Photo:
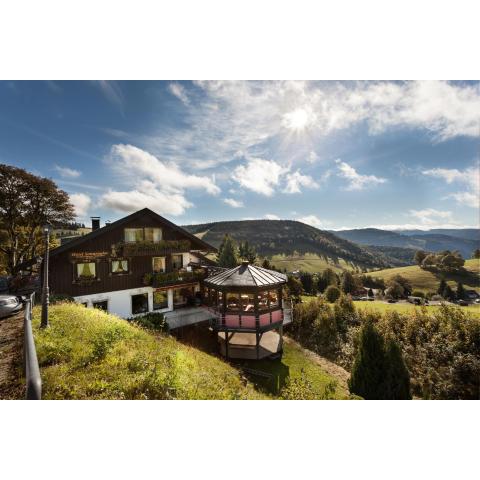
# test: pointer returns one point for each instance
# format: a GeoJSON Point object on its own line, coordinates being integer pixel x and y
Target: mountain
{"type": "Point", "coordinates": [290, 238]}
{"type": "Point", "coordinates": [465, 233]}
{"type": "Point", "coordinates": [426, 240]}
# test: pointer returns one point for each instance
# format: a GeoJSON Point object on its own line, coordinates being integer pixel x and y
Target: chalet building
{"type": "Point", "coordinates": [140, 263]}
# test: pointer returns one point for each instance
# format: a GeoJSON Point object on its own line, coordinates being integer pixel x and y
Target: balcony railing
{"type": "Point", "coordinates": [150, 248]}
{"type": "Point", "coordinates": [157, 280]}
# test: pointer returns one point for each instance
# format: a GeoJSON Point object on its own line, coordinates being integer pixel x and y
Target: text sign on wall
{"type": "Point", "coordinates": [87, 255]}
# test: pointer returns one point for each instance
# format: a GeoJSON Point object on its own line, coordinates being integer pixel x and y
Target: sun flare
{"type": "Point", "coordinates": [299, 119]}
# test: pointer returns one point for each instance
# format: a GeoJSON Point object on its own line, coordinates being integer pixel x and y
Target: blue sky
{"type": "Point", "coordinates": [331, 154]}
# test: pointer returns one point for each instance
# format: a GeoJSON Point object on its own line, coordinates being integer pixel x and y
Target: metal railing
{"type": "Point", "coordinates": [30, 362]}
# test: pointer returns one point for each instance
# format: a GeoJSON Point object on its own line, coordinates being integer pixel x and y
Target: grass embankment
{"type": "Point", "coordinates": [428, 281]}
{"type": "Point", "coordinates": [89, 354]}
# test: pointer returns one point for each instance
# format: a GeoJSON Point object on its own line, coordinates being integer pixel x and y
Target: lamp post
{"type": "Point", "coordinates": [45, 288]}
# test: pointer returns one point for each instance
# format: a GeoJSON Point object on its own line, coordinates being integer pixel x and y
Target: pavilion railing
{"type": "Point", "coordinates": [30, 361]}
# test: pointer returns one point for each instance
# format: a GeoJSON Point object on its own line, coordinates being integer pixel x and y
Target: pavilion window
{"type": "Point", "coordinates": [220, 300]}
{"type": "Point", "coordinates": [273, 298]}
{"type": "Point", "coordinates": [263, 300]}
{"type": "Point", "coordinates": [233, 301]}
{"type": "Point", "coordinates": [86, 270]}
{"type": "Point", "coordinates": [158, 264]}
{"type": "Point", "coordinates": [119, 267]}
{"type": "Point", "coordinates": [248, 302]}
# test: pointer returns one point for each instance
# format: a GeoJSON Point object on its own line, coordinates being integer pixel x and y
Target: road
{"type": "Point", "coordinates": [11, 344]}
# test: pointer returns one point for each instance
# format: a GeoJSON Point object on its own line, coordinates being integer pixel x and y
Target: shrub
{"type": "Point", "coordinates": [332, 293]}
{"type": "Point", "coordinates": [60, 298]}
{"type": "Point", "coordinates": [151, 321]}
{"type": "Point", "coordinates": [418, 293]}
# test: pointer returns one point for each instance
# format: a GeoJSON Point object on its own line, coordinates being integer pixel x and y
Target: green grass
{"type": "Point", "coordinates": [309, 262]}
{"type": "Point", "coordinates": [425, 280]}
{"type": "Point", "coordinates": [90, 354]}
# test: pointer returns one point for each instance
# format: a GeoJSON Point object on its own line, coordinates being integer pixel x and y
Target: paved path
{"type": "Point", "coordinates": [11, 339]}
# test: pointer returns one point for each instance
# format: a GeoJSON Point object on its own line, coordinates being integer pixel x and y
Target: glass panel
{"type": "Point", "coordinates": [177, 262]}
{"type": "Point", "coordinates": [158, 264]}
{"type": "Point", "coordinates": [273, 297]}
{"type": "Point", "coordinates": [140, 303]}
{"type": "Point", "coordinates": [220, 300]}
{"type": "Point", "coordinates": [182, 296]}
{"type": "Point", "coordinates": [134, 234]}
{"type": "Point", "coordinates": [263, 300]}
{"type": "Point", "coordinates": [119, 266]}
{"type": "Point", "coordinates": [248, 302]}
{"type": "Point", "coordinates": [160, 300]}
{"type": "Point", "coordinates": [233, 301]}
{"type": "Point", "coordinates": [86, 270]}
{"type": "Point", "coordinates": [153, 234]}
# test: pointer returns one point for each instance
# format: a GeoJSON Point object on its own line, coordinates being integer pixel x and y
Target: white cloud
{"type": "Point", "coordinates": [470, 178]}
{"type": "Point", "coordinates": [151, 182]}
{"type": "Point", "coordinates": [271, 216]}
{"type": "Point", "coordinates": [178, 91]}
{"type": "Point", "coordinates": [260, 176]}
{"type": "Point", "coordinates": [430, 216]}
{"type": "Point", "coordinates": [312, 157]}
{"type": "Point", "coordinates": [233, 203]}
{"type": "Point", "coordinates": [240, 116]}
{"type": "Point", "coordinates": [66, 172]}
{"type": "Point", "coordinates": [81, 203]}
{"type": "Point", "coordinates": [357, 181]}
{"type": "Point", "coordinates": [312, 220]}
{"type": "Point", "coordinates": [296, 180]}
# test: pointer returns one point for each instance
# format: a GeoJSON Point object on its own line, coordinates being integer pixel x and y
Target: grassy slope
{"type": "Point", "coordinates": [309, 262]}
{"type": "Point", "coordinates": [89, 354]}
{"type": "Point", "coordinates": [428, 281]}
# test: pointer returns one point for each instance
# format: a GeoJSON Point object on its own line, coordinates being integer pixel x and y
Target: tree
{"type": "Point", "coordinates": [397, 381]}
{"type": "Point", "coordinates": [266, 264]}
{"type": "Point", "coordinates": [307, 282]}
{"type": "Point", "coordinates": [348, 282]}
{"type": "Point", "coordinates": [441, 287]}
{"type": "Point", "coordinates": [295, 288]}
{"type": "Point", "coordinates": [246, 252]}
{"type": "Point", "coordinates": [332, 293]}
{"type": "Point", "coordinates": [227, 253]}
{"type": "Point", "coordinates": [27, 202]}
{"type": "Point", "coordinates": [448, 294]}
{"type": "Point", "coordinates": [369, 367]}
{"type": "Point", "coordinates": [419, 256]}
{"type": "Point", "coordinates": [405, 283]}
{"type": "Point", "coordinates": [476, 253]}
{"type": "Point", "coordinates": [370, 293]}
{"type": "Point", "coordinates": [429, 261]}
{"type": "Point", "coordinates": [452, 261]}
{"type": "Point", "coordinates": [394, 290]}
{"type": "Point", "coordinates": [460, 291]}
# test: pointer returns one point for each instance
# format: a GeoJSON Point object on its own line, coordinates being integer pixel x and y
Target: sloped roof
{"type": "Point", "coordinates": [112, 226]}
{"type": "Point", "coordinates": [246, 275]}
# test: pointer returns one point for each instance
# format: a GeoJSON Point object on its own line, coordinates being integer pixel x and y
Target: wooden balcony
{"type": "Point", "coordinates": [180, 277]}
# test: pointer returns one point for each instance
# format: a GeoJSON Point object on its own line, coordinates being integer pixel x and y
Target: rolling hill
{"type": "Point", "coordinates": [292, 245]}
{"type": "Point", "coordinates": [463, 240]}
{"type": "Point", "coordinates": [428, 281]}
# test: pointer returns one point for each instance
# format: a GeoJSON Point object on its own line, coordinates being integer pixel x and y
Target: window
{"type": "Point", "coordinates": [273, 298]}
{"type": "Point", "coordinates": [153, 234]}
{"type": "Point", "coordinates": [220, 300]}
{"type": "Point", "coordinates": [182, 296]}
{"type": "Point", "coordinates": [139, 303]}
{"type": "Point", "coordinates": [160, 300]}
{"type": "Point", "coordinates": [133, 235]}
{"type": "Point", "coordinates": [86, 270]}
{"type": "Point", "coordinates": [233, 301]}
{"type": "Point", "coordinates": [103, 305]}
{"type": "Point", "coordinates": [248, 302]}
{"type": "Point", "coordinates": [158, 264]}
{"type": "Point", "coordinates": [177, 262]}
{"type": "Point", "coordinates": [119, 266]}
{"type": "Point", "coordinates": [263, 300]}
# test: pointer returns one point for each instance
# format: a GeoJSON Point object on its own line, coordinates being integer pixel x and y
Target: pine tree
{"type": "Point", "coordinates": [441, 287]}
{"type": "Point", "coordinates": [227, 254]}
{"type": "Point", "coordinates": [460, 291]}
{"type": "Point", "coordinates": [448, 293]}
{"type": "Point", "coordinates": [348, 282]}
{"type": "Point", "coordinates": [369, 368]}
{"type": "Point", "coordinates": [397, 381]}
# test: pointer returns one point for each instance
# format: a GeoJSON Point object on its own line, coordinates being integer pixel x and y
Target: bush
{"type": "Point", "coordinates": [332, 293]}
{"type": "Point", "coordinates": [59, 298]}
{"type": "Point", "coordinates": [418, 293]}
{"type": "Point", "coordinates": [151, 321]}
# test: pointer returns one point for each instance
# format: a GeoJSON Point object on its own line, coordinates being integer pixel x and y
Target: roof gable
{"type": "Point", "coordinates": [196, 242]}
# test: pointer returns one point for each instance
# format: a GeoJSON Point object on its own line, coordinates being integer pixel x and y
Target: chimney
{"type": "Point", "coordinates": [95, 223]}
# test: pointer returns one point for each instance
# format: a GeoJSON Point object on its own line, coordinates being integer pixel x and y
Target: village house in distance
{"type": "Point", "coordinates": [145, 263]}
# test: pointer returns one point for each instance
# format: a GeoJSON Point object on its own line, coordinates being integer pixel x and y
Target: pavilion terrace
{"type": "Point", "coordinates": [248, 306]}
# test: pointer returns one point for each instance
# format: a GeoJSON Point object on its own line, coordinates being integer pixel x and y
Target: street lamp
{"type": "Point", "coordinates": [45, 289]}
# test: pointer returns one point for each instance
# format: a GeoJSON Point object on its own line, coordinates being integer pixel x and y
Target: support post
{"type": "Point", "coordinates": [258, 344]}
{"type": "Point", "coordinates": [45, 287]}
{"type": "Point", "coordinates": [226, 344]}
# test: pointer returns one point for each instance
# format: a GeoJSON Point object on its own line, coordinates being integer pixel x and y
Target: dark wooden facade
{"type": "Point", "coordinates": [105, 244]}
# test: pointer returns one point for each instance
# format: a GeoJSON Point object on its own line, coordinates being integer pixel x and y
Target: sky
{"type": "Point", "coordinates": [334, 155]}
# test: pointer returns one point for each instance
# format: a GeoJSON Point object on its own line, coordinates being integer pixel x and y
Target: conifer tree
{"type": "Point", "coordinates": [460, 291]}
{"type": "Point", "coordinates": [348, 282]}
{"type": "Point", "coordinates": [397, 381]}
{"type": "Point", "coordinates": [441, 287]}
{"type": "Point", "coordinates": [369, 368]}
{"type": "Point", "coordinates": [227, 253]}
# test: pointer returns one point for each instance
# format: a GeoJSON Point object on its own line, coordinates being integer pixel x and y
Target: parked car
{"type": "Point", "coordinates": [477, 300]}
{"type": "Point", "coordinates": [462, 303]}
{"type": "Point", "coordinates": [9, 304]}
{"type": "Point", "coordinates": [392, 300]}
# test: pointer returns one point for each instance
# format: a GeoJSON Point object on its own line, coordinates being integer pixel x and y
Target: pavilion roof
{"type": "Point", "coordinates": [246, 275]}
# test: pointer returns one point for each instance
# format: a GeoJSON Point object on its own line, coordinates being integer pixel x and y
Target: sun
{"type": "Point", "coordinates": [299, 119]}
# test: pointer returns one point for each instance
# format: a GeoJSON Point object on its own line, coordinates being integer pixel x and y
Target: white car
{"type": "Point", "coordinates": [9, 304]}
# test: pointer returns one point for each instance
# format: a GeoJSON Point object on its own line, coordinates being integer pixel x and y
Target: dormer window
{"type": "Point", "coordinates": [147, 234]}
